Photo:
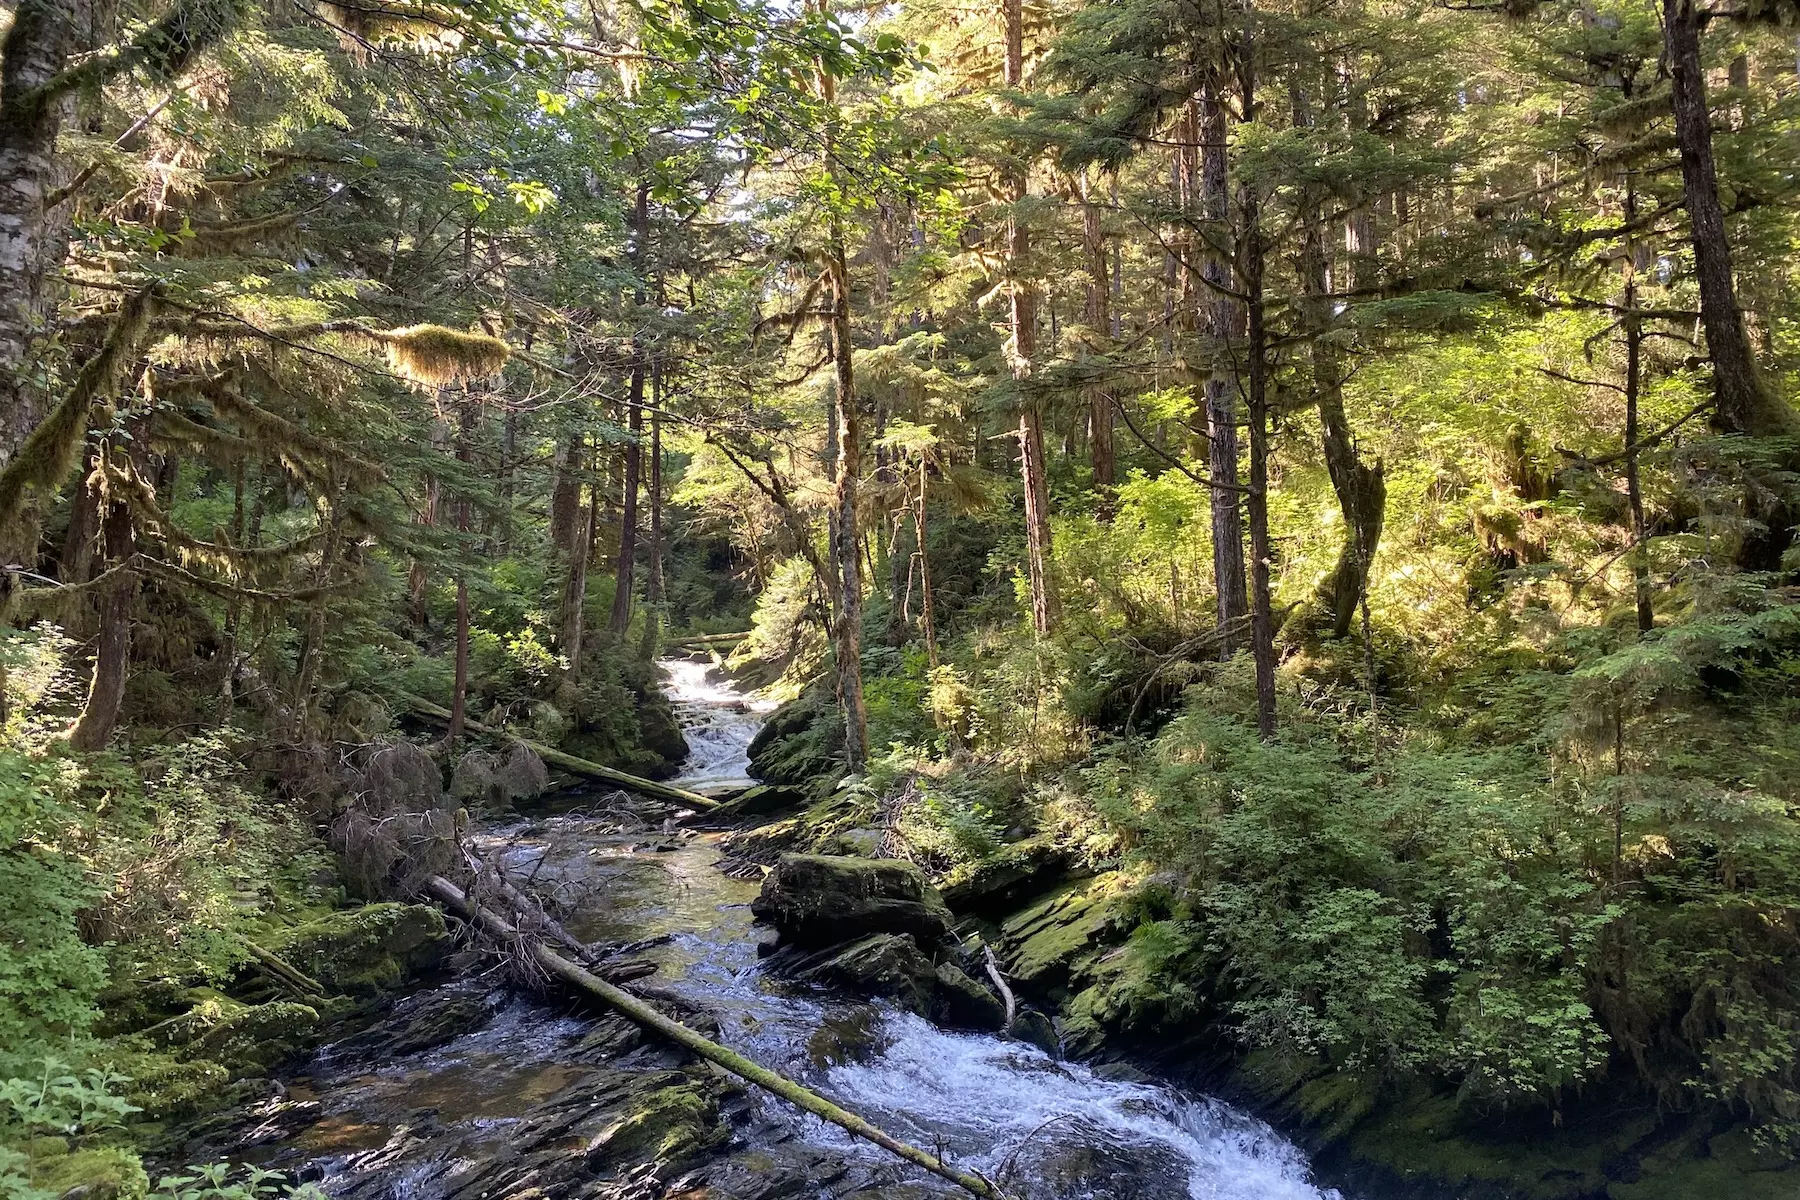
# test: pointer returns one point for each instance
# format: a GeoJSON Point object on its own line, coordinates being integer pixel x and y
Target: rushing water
{"type": "Point", "coordinates": [428, 1124]}
{"type": "Point", "coordinates": [719, 722]}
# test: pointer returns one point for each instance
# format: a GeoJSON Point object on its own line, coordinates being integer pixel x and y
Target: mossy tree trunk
{"type": "Point", "coordinates": [112, 646]}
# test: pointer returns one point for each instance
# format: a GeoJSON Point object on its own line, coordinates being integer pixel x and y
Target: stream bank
{"type": "Point", "coordinates": [1068, 935]}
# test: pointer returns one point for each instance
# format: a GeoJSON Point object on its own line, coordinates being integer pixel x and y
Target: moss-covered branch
{"type": "Point", "coordinates": [54, 448]}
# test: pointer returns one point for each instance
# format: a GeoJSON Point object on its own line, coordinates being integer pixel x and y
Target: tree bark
{"type": "Point", "coordinates": [1099, 322]}
{"type": "Point", "coordinates": [32, 241]}
{"type": "Point", "coordinates": [1032, 464]}
{"type": "Point", "coordinates": [1634, 489]}
{"type": "Point", "coordinates": [626, 573]}
{"type": "Point", "coordinates": [1251, 253]}
{"type": "Point", "coordinates": [1224, 325]}
{"type": "Point", "coordinates": [1360, 487]}
{"type": "Point", "coordinates": [847, 463]}
{"type": "Point", "coordinates": [112, 650]}
{"type": "Point", "coordinates": [459, 700]}
{"type": "Point", "coordinates": [1744, 402]}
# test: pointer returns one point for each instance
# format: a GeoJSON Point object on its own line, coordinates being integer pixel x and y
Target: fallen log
{"type": "Point", "coordinates": [568, 762]}
{"type": "Point", "coordinates": [751, 1072]}
{"type": "Point", "coordinates": [709, 639]}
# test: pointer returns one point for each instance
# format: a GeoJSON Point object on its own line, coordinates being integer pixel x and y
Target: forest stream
{"type": "Point", "coordinates": [368, 1118]}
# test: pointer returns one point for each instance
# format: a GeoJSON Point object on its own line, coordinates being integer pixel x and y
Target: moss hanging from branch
{"type": "Point", "coordinates": [53, 449]}
{"type": "Point", "coordinates": [437, 356]}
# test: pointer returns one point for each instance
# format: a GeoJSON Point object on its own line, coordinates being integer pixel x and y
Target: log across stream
{"type": "Point", "coordinates": [474, 1090]}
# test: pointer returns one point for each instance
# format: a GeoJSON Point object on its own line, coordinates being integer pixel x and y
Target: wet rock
{"type": "Point", "coordinates": [669, 1123]}
{"type": "Point", "coordinates": [962, 1003]}
{"type": "Point", "coordinates": [818, 900]}
{"type": "Point", "coordinates": [439, 1019]}
{"type": "Point", "coordinates": [373, 948]}
{"type": "Point", "coordinates": [884, 964]}
{"type": "Point", "coordinates": [1030, 1025]}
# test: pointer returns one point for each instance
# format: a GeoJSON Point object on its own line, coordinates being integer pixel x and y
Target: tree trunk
{"type": "Point", "coordinates": [1745, 404]}
{"type": "Point", "coordinates": [32, 236]}
{"type": "Point", "coordinates": [1634, 490]}
{"type": "Point", "coordinates": [1251, 252]}
{"type": "Point", "coordinates": [1224, 324]}
{"type": "Point", "coordinates": [653, 583]}
{"type": "Point", "coordinates": [628, 510]}
{"type": "Point", "coordinates": [847, 463]}
{"type": "Point", "coordinates": [626, 571]}
{"type": "Point", "coordinates": [459, 700]}
{"type": "Point", "coordinates": [844, 450]}
{"type": "Point", "coordinates": [927, 618]}
{"type": "Point", "coordinates": [1360, 487]}
{"type": "Point", "coordinates": [112, 651]}
{"type": "Point", "coordinates": [1099, 322]}
{"type": "Point", "coordinates": [1032, 465]}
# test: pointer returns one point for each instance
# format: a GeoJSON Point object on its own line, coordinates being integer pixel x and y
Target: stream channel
{"type": "Point", "coordinates": [371, 1119]}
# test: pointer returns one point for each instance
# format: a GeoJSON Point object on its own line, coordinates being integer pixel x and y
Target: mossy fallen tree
{"type": "Point", "coordinates": [569, 762]}
{"type": "Point", "coordinates": [575, 976]}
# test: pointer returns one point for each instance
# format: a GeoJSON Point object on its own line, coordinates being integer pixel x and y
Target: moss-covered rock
{"type": "Point", "coordinates": [1053, 945]}
{"type": "Point", "coordinates": [993, 885]}
{"type": "Point", "coordinates": [672, 1119]}
{"type": "Point", "coordinates": [801, 741]}
{"type": "Point", "coordinates": [368, 949]}
{"type": "Point", "coordinates": [167, 1087]}
{"type": "Point", "coordinates": [818, 900]}
{"type": "Point", "coordinates": [962, 1003]}
{"type": "Point", "coordinates": [96, 1173]}
{"type": "Point", "coordinates": [257, 1037]}
{"type": "Point", "coordinates": [889, 965]}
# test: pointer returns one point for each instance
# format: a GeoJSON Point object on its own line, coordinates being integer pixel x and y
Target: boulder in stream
{"type": "Point", "coordinates": [819, 900]}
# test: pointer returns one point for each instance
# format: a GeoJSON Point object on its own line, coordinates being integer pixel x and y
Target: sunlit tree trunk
{"type": "Point", "coordinates": [846, 461]}
{"type": "Point", "coordinates": [1745, 404]}
{"type": "Point", "coordinates": [1360, 487]}
{"type": "Point", "coordinates": [1032, 465]}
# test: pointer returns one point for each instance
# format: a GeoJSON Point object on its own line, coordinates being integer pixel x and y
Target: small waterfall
{"type": "Point", "coordinates": [719, 721]}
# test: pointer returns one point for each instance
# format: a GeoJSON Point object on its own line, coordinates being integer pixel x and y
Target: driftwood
{"type": "Point", "coordinates": [667, 792]}
{"type": "Point", "coordinates": [751, 1072]}
{"type": "Point", "coordinates": [1006, 993]}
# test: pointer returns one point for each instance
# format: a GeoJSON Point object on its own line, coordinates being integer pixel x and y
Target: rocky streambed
{"type": "Point", "coordinates": [480, 1088]}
